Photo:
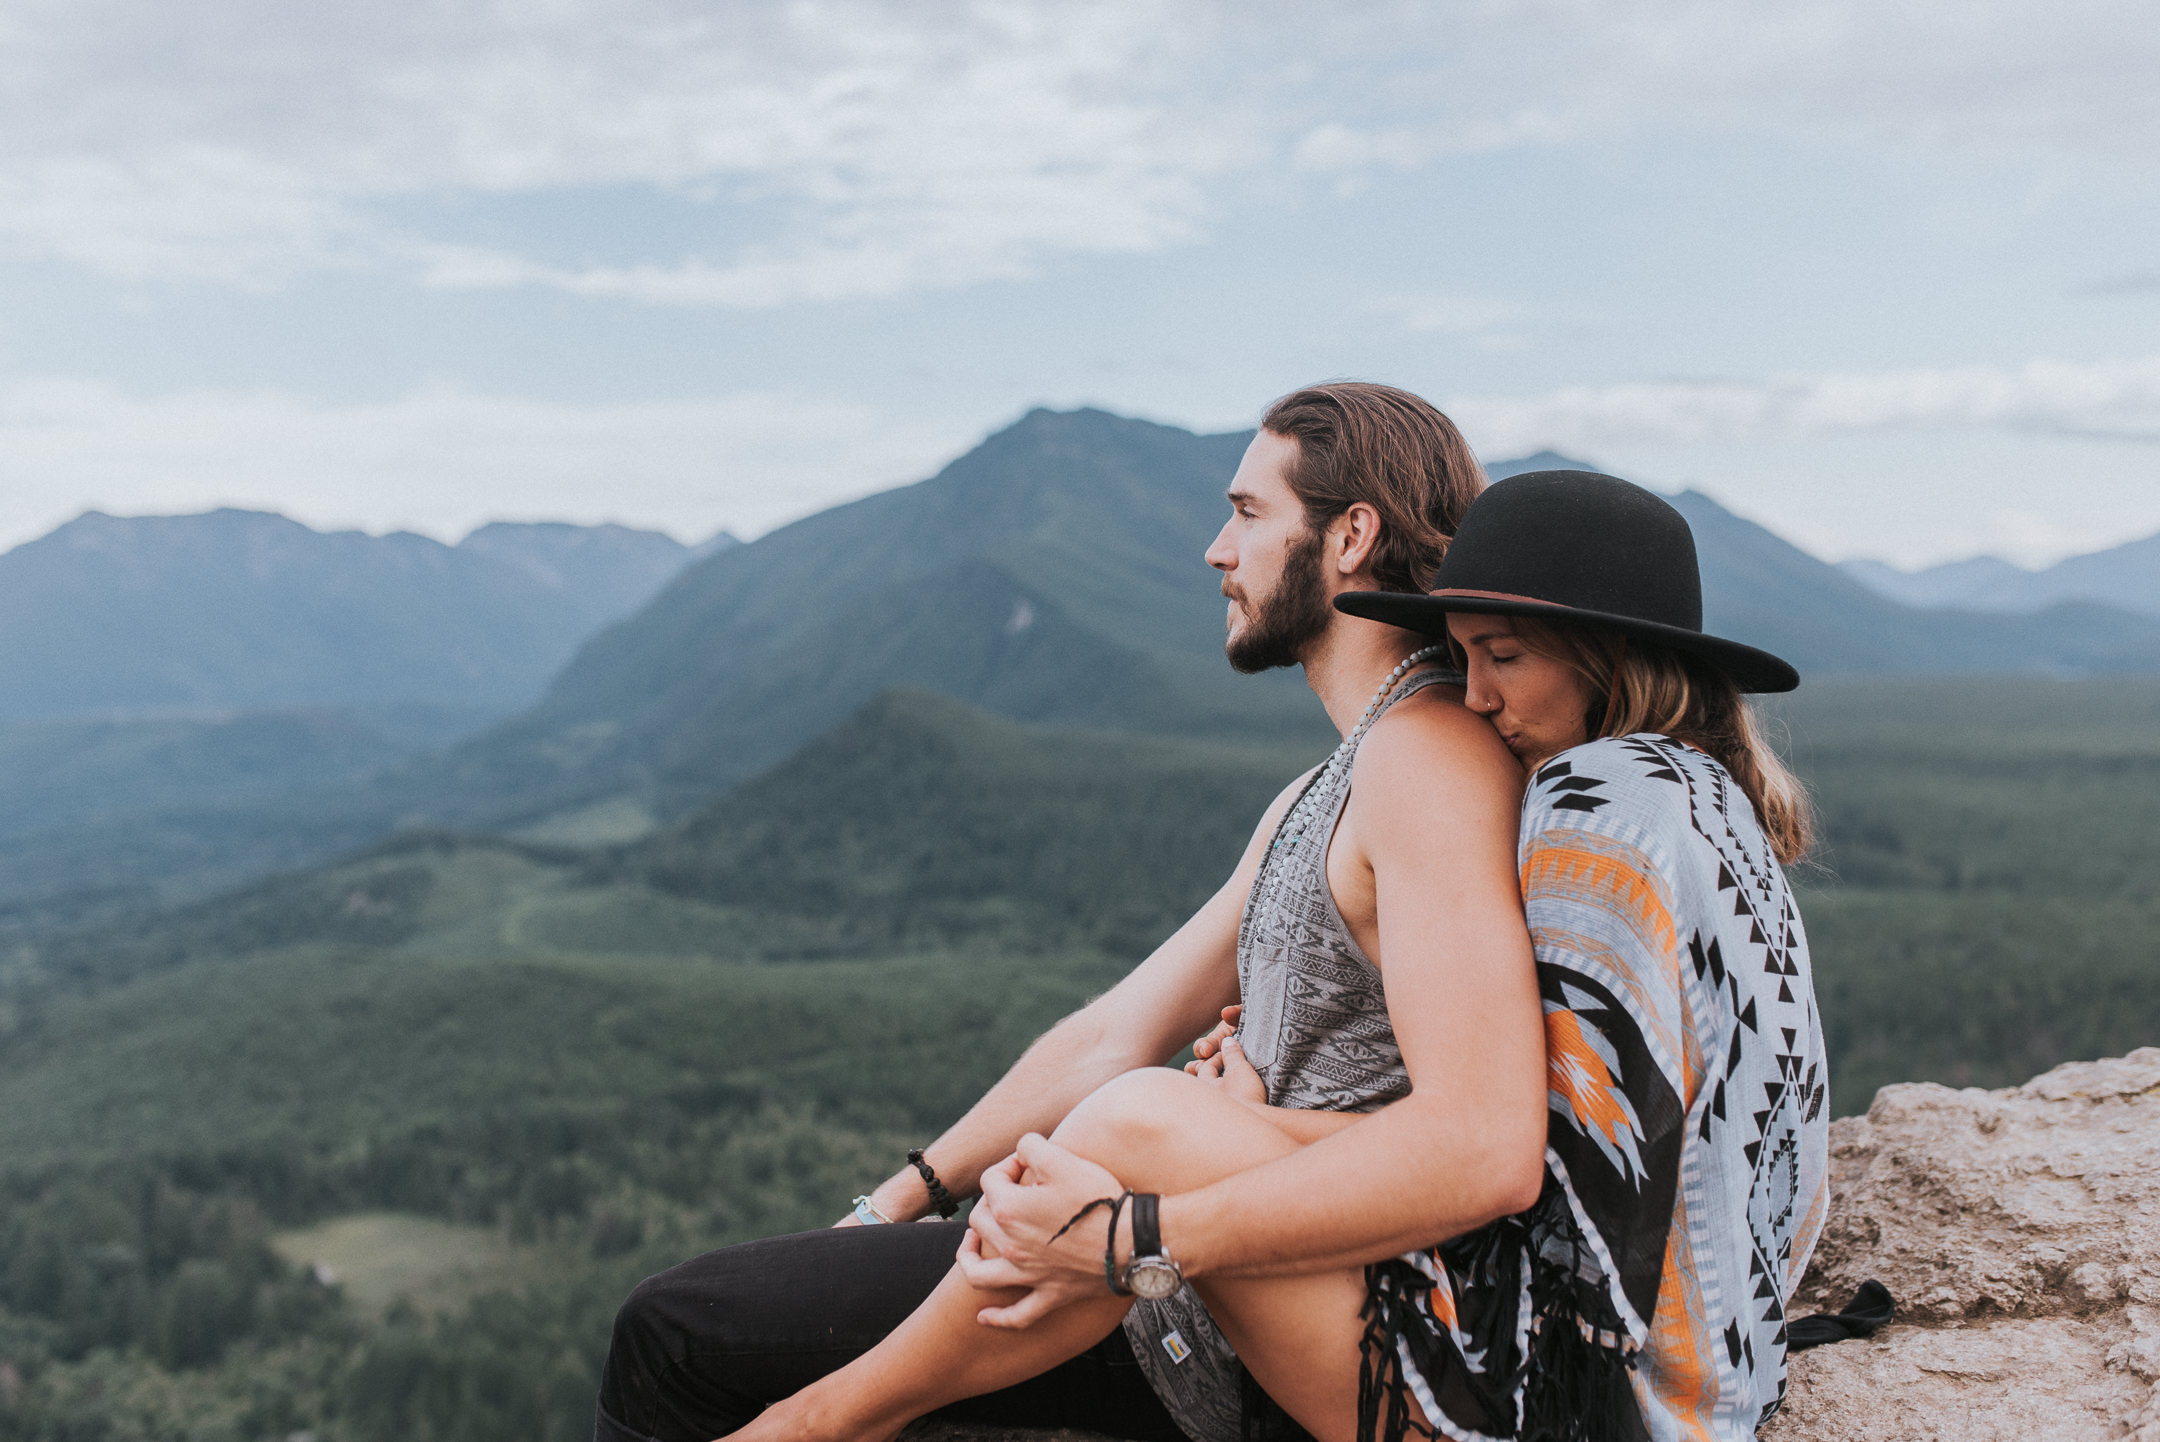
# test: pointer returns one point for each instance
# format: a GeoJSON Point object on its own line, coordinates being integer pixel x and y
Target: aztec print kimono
{"type": "Point", "coordinates": [1687, 1150]}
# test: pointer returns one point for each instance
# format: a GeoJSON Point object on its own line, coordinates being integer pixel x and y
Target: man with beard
{"type": "Point", "coordinates": [1346, 487]}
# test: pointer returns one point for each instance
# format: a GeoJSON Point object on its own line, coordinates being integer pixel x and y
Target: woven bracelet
{"type": "Point", "coordinates": [941, 1199]}
{"type": "Point", "coordinates": [1109, 1251]}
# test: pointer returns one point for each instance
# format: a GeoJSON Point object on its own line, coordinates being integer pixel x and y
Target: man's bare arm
{"type": "Point", "coordinates": [1145, 1020]}
{"type": "Point", "coordinates": [1438, 802]}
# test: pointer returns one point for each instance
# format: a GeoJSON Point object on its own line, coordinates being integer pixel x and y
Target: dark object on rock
{"type": "Point", "coordinates": [1870, 1308]}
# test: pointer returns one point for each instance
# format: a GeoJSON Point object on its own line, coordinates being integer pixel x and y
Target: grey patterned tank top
{"type": "Point", "coordinates": [1316, 1024]}
{"type": "Point", "coordinates": [1316, 1027]}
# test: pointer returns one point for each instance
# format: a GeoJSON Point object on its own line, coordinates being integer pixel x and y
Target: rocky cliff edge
{"type": "Point", "coordinates": [2019, 1231]}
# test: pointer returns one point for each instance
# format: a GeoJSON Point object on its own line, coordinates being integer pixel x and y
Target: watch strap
{"type": "Point", "coordinates": [1146, 1225]}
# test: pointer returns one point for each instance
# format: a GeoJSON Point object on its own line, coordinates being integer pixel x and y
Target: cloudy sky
{"type": "Point", "coordinates": [1883, 274]}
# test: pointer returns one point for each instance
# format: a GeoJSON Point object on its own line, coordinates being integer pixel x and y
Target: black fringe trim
{"type": "Point", "coordinates": [1577, 1382]}
{"type": "Point", "coordinates": [1384, 1411]}
{"type": "Point", "coordinates": [1579, 1390]}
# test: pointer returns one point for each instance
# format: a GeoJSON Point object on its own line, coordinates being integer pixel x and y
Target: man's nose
{"type": "Point", "coordinates": [1222, 555]}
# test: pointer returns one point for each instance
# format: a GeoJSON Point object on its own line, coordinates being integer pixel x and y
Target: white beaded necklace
{"type": "Point", "coordinates": [1340, 758]}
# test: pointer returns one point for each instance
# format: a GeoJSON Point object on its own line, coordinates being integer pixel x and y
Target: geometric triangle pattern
{"type": "Point", "coordinates": [1669, 877]}
{"type": "Point", "coordinates": [1687, 1133]}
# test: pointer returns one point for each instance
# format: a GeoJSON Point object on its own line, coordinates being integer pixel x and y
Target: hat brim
{"type": "Point", "coordinates": [1751, 669]}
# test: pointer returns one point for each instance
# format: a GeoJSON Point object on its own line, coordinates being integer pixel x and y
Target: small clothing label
{"type": "Point", "coordinates": [1175, 1346]}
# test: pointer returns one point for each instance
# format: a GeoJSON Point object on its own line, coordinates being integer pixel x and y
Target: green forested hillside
{"type": "Point", "coordinates": [1988, 901]}
{"type": "Point", "coordinates": [1052, 575]}
{"type": "Point", "coordinates": [108, 814]}
{"type": "Point", "coordinates": [938, 823]}
{"type": "Point", "coordinates": [618, 1113]}
{"type": "Point", "coordinates": [609, 1059]}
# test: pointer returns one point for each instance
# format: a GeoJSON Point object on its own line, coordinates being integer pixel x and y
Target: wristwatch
{"type": "Point", "coordinates": [1150, 1273]}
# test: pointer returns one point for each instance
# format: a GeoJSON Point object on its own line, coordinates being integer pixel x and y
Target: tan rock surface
{"type": "Point", "coordinates": [2019, 1231]}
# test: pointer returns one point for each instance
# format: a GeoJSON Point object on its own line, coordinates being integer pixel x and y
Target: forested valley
{"type": "Point", "coordinates": [373, 1151]}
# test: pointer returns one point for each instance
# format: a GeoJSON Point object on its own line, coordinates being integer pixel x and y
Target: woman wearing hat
{"type": "Point", "coordinates": [1686, 1160]}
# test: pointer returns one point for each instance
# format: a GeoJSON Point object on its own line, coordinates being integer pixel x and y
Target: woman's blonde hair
{"type": "Point", "coordinates": [1637, 685]}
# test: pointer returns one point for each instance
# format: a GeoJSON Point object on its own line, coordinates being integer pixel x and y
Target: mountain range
{"type": "Point", "coordinates": [1051, 576]}
{"type": "Point", "coordinates": [242, 610]}
{"type": "Point", "coordinates": [2126, 576]}
{"type": "Point", "coordinates": [1054, 575]}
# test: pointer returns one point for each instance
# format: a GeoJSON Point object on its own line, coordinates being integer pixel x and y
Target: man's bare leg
{"type": "Point", "coordinates": [1157, 1130]}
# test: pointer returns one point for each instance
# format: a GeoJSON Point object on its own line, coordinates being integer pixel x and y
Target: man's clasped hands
{"type": "Point", "coordinates": [1014, 1239]}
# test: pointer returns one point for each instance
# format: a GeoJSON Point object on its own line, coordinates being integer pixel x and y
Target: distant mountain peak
{"type": "Point", "coordinates": [714, 544]}
{"type": "Point", "coordinates": [2127, 576]}
{"type": "Point", "coordinates": [101, 530]}
{"type": "Point", "coordinates": [237, 608]}
{"type": "Point", "coordinates": [1043, 421]}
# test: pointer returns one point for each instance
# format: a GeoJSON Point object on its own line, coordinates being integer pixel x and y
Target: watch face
{"type": "Point", "coordinates": [1153, 1278]}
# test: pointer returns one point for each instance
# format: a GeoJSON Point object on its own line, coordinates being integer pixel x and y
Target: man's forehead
{"type": "Point", "coordinates": [1261, 474]}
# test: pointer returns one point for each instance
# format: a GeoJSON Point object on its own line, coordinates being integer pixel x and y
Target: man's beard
{"type": "Point", "coordinates": [1282, 624]}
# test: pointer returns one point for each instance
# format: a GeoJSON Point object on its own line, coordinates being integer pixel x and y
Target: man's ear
{"type": "Point", "coordinates": [1352, 537]}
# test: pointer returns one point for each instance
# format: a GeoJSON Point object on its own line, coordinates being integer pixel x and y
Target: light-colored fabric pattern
{"type": "Point", "coordinates": [1315, 1027]}
{"type": "Point", "coordinates": [1688, 1146]}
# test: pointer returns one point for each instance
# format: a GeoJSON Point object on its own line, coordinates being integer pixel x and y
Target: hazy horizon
{"type": "Point", "coordinates": [695, 542]}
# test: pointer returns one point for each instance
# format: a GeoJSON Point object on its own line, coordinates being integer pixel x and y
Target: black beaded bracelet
{"type": "Point", "coordinates": [939, 1197]}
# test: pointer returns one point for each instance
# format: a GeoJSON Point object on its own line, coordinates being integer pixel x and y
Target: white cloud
{"type": "Point", "coordinates": [894, 146]}
{"type": "Point", "coordinates": [888, 146]}
{"type": "Point", "coordinates": [1975, 79]}
{"type": "Point", "coordinates": [442, 461]}
{"type": "Point", "coordinates": [2113, 399]}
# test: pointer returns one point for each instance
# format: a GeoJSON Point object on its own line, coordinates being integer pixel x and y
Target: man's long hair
{"type": "Point", "coordinates": [1363, 442]}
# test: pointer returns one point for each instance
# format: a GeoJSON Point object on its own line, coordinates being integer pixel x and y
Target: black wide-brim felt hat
{"type": "Point", "coordinates": [1576, 546]}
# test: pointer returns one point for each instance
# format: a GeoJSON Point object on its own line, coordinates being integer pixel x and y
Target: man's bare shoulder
{"type": "Point", "coordinates": [1435, 787]}
{"type": "Point", "coordinates": [1429, 741]}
